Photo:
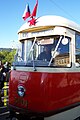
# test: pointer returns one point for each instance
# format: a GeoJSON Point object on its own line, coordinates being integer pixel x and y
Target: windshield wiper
{"type": "Point", "coordinates": [53, 56]}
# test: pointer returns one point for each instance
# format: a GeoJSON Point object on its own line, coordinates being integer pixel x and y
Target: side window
{"type": "Point", "coordinates": [23, 50]}
{"type": "Point", "coordinates": [78, 49]}
{"type": "Point", "coordinates": [28, 48]}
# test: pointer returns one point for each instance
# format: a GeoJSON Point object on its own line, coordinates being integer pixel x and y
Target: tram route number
{"type": "Point", "coordinates": [20, 101]}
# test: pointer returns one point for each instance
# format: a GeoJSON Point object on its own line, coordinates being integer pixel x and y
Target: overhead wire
{"type": "Point", "coordinates": [57, 5]}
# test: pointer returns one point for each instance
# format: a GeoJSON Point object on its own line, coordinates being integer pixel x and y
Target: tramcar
{"type": "Point", "coordinates": [45, 84]}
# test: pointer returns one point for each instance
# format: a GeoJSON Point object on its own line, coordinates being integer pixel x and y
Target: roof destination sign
{"type": "Point", "coordinates": [39, 33]}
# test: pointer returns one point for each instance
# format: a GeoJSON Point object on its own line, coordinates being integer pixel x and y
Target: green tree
{"type": "Point", "coordinates": [7, 56]}
{"type": "Point", "coordinates": [2, 56]}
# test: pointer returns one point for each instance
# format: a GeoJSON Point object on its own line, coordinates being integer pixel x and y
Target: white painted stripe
{"type": "Point", "coordinates": [4, 113]}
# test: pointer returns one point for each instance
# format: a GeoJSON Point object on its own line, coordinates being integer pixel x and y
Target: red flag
{"type": "Point", "coordinates": [35, 9]}
{"type": "Point", "coordinates": [26, 13]}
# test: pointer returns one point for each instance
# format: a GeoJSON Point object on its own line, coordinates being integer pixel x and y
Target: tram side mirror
{"type": "Point", "coordinates": [65, 41]}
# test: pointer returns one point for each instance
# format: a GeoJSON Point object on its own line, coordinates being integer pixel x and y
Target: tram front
{"type": "Point", "coordinates": [38, 85]}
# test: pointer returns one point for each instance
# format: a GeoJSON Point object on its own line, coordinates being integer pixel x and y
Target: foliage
{"type": "Point", "coordinates": [7, 56]}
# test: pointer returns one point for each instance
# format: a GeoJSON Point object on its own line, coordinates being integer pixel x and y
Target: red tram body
{"type": "Point", "coordinates": [47, 88]}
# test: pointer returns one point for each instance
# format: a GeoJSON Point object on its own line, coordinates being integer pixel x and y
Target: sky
{"type": "Point", "coordinates": [11, 12]}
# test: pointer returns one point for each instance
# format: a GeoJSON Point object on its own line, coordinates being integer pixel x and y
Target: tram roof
{"type": "Point", "coordinates": [49, 21]}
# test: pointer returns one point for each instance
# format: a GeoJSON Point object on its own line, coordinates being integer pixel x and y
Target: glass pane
{"type": "Point", "coordinates": [49, 49]}
{"type": "Point", "coordinates": [62, 54]}
{"type": "Point", "coordinates": [78, 48]}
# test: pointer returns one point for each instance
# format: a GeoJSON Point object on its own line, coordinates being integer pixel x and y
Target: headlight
{"type": "Point", "coordinates": [21, 91]}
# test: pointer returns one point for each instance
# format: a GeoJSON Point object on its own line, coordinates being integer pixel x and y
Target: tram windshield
{"type": "Point", "coordinates": [46, 51]}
